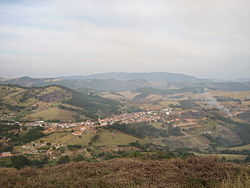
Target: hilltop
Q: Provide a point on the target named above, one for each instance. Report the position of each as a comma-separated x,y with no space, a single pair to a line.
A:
52,103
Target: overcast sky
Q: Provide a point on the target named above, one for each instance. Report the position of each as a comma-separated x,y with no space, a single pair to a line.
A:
48,38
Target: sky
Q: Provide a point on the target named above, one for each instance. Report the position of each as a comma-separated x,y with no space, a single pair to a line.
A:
50,38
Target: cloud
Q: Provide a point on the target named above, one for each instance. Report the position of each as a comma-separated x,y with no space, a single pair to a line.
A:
61,37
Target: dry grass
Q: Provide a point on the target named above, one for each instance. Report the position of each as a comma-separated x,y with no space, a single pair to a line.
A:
242,180
169,102
193,172
108,138
68,138
226,156
52,114
235,94
128,94
238,148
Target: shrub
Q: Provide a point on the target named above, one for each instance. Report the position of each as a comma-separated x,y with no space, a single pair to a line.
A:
74,147
79,158
20,161
63,159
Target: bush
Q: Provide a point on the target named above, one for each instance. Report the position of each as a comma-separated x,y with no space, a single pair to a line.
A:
20,161
142,130
94,139
79,158
31,135
74,147
63,159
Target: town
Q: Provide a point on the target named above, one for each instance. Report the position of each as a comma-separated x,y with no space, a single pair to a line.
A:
127,118
182,119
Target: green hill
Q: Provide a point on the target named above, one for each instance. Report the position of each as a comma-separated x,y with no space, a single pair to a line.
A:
52,103
121,81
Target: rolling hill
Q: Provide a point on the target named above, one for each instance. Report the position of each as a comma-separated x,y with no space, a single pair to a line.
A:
52,103
121,81
151,76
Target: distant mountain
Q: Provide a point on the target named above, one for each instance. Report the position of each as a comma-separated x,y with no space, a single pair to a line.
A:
227,86
121,81
243,80
151,76
24,81
28,81
110,81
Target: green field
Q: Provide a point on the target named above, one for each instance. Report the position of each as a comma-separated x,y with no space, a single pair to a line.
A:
107,138
68,138
52,114
111,138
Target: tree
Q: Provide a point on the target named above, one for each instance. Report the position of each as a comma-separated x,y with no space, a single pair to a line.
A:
247,160
63,159
94,139
79,158
20,161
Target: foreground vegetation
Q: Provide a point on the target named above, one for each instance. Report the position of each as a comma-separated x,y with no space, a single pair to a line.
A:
191,172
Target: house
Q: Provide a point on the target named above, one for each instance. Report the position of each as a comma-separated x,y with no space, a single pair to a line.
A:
104,123
6,154
77,133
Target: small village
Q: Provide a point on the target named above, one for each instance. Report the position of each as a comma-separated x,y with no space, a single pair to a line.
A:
127,118
181,119
78,128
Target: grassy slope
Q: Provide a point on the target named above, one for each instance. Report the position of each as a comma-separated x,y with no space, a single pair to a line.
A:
52,114
39,102
192,172
107,138
244,147
68,138
226,156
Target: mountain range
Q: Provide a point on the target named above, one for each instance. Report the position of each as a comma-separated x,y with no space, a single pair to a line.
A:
121,81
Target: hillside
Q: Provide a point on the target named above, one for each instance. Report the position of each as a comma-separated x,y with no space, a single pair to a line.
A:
191,172
52,103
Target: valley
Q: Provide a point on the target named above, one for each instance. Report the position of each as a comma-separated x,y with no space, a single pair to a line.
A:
117,119
144,122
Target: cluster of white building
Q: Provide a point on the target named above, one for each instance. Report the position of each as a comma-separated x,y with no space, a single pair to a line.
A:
144,116
148,116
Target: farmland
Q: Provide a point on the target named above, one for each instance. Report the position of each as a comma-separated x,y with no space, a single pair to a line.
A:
51,114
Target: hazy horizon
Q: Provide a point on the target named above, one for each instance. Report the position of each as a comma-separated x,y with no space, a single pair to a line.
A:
65,76
205,39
